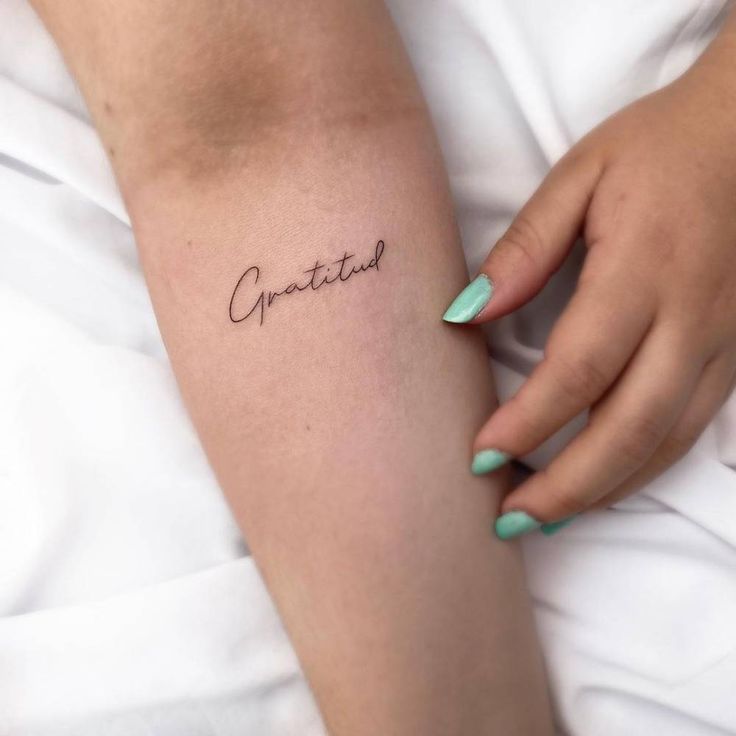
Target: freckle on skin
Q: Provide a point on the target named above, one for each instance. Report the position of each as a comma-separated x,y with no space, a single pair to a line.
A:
108,107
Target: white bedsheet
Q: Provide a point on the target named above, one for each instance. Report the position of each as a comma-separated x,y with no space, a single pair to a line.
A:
128,603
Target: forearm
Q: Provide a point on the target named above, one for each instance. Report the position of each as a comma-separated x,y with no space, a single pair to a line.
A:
338,412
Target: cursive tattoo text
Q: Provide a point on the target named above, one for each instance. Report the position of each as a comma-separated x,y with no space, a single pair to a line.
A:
320,274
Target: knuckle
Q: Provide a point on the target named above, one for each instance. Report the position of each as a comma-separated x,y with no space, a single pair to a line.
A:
522,420
679,443
580,378
638,440
560,499
524,237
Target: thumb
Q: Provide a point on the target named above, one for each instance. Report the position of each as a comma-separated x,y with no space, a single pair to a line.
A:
534,246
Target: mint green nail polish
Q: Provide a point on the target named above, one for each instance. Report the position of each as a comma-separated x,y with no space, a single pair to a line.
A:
470,300
486,461
554,526
514,524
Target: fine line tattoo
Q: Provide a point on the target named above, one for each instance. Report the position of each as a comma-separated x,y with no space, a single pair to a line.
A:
318,276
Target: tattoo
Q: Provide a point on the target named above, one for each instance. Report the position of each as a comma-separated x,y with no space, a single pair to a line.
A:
318,276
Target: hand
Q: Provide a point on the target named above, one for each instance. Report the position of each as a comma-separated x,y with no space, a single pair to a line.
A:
648,341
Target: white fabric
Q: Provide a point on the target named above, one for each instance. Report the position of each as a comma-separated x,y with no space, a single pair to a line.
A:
128,603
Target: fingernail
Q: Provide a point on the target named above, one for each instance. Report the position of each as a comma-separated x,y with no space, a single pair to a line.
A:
554,526
514,524
470,300
486,461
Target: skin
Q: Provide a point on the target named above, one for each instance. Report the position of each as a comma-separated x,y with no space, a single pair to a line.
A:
340,428
648,342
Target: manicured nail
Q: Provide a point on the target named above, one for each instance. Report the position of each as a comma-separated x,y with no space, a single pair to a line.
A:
486,461
470,300
554,526
514,524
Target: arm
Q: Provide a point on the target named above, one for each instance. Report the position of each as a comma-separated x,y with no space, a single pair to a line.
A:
258,145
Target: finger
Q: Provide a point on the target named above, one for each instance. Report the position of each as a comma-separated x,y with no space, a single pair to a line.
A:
625,429
716,384
535,244
593,340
